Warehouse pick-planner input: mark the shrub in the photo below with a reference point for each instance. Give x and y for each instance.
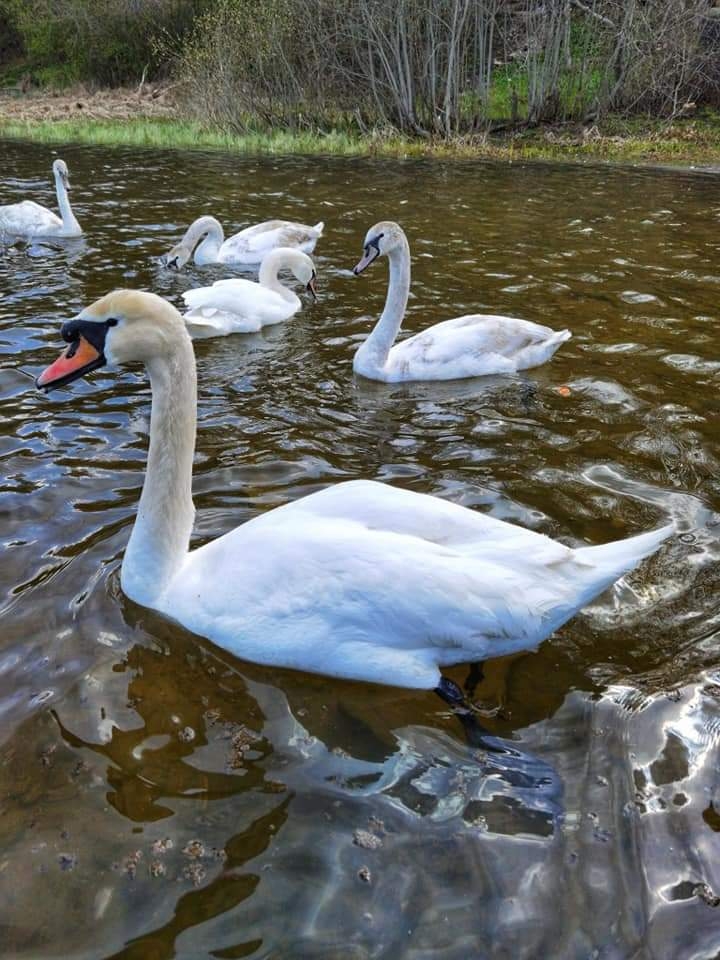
(108, 42)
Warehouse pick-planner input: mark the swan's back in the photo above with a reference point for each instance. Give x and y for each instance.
(474, 345)
(28, 218)
(234, 305)
(253, 243)
(372, 582)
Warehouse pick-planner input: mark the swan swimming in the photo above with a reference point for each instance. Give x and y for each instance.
(243, 306)
(30, 219)
(470, 346)
(361, 580)
(250, 245)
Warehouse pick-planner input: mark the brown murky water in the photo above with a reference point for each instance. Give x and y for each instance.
(160, 799)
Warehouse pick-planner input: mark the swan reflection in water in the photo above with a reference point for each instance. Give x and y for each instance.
(226, 807)
(256, 817)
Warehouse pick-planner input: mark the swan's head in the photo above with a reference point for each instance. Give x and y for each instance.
(178, 256)
(124, 326)
(205, 226)
(379, 241)
(303, 269)
(60, 171)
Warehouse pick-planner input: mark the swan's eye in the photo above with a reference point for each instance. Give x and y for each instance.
(375, 243)
(112, 322)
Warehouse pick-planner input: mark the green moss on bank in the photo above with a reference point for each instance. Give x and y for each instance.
(695, 142)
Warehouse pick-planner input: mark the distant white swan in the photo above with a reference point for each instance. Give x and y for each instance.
(242, 306)
(360, 580)
(469, 346)
(30, 219)
(250, 245)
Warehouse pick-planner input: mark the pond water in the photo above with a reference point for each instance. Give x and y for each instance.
(159, 798)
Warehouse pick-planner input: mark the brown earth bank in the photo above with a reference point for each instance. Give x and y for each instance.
(148, 100)
(154, 114)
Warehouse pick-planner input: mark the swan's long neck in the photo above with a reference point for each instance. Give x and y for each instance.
(209, 250)
(373, 353)
(160, 538)
(70, 224)
(271, 264)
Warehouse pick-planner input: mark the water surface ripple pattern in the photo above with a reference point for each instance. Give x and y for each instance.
(161, 799)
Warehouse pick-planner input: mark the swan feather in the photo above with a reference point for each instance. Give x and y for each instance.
(363, 578)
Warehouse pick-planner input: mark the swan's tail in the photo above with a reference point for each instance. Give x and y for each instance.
(622, 556)
(536, 353)
(597, 568)
(319, 227)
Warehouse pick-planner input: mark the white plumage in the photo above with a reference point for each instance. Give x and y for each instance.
(249, 246)
(361, 580)
(237, 305)
(30, 219)
(371, 582)
(470, 346)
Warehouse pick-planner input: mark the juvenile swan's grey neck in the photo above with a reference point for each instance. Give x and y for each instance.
(70, 224)
(160, 538)
(212, 231)
(373, 354)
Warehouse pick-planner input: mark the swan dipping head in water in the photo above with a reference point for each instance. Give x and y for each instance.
(205, 242)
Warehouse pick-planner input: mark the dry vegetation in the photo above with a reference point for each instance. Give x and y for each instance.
(447, 67)
(149, 101)
(409, 71)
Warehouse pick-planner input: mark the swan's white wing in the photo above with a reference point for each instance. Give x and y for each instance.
(235, 306)
(251, 244)
(473, 345)
(28, 219)
(369, 582)
(338, 598)
(209, 322)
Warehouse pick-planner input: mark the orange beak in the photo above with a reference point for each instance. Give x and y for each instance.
(80, 357)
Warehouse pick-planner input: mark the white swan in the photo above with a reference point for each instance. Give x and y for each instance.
(250, 245)
(243, 306)
(30, 219)
(469, 346)
(361, 580)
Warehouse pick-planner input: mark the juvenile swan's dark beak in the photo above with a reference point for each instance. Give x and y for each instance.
(312, 287)
(86, 352)
(372, 252)
(176, 258)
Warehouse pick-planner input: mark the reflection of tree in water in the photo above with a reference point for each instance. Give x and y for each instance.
(254, 781)
(222, 894)
(174, 692)
(148, 762)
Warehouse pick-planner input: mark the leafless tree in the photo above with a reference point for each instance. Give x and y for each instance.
(434, 67)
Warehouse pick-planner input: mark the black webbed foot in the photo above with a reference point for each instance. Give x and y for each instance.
(475, 734)
(451, 693)
(475, 677)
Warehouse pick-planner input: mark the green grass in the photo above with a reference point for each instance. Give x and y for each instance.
(182, 134)
(695, 142)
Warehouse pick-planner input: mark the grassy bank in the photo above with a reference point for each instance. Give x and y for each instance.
(694, 142)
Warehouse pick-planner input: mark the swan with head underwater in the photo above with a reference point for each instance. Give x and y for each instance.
(470, 346)
(30, 219)
(360, 580)
(250, 246)
(237, 305)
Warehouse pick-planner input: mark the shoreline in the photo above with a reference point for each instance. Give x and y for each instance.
(146, 119)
